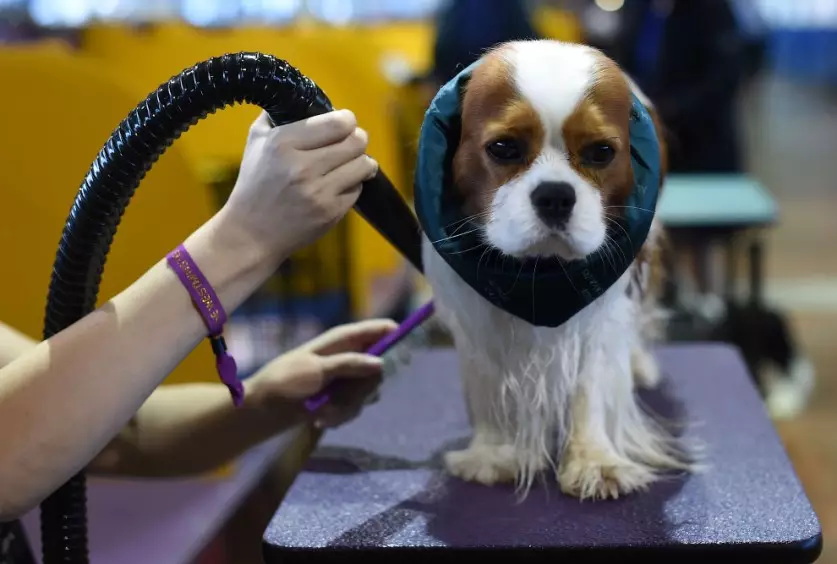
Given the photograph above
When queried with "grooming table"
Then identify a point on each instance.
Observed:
(164, 521)
(698, 201)
(699, 209)
(375, 490)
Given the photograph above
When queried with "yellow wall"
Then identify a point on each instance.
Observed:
(51, 131)
(557, 24)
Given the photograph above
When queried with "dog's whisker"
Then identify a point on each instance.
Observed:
(628, 235)
(482, 256)
(564, 268)
(611, 244)
(468, 219)
(600, 252)
(534, 274)
(461, 223)
(454, 236)
(606, 251)
(629, 208)
(613, 248)
(468, 250)
(516, 278)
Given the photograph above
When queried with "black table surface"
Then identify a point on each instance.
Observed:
(375, 488)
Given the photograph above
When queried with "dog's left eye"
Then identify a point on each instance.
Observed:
(505, 151)
(597, 154)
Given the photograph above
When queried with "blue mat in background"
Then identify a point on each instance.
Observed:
(808, 55)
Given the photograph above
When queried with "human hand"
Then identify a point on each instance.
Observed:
(336, 354)
(297, 181)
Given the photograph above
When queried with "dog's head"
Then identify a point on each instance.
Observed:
(543, 163)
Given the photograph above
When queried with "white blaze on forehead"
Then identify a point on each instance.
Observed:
(554, 77)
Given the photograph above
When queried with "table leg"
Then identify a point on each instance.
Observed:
(671, 286)
(241, 536)
(731, 269)
(702, 265)
(756, 274)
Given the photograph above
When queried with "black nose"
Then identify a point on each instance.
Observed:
(554, 202)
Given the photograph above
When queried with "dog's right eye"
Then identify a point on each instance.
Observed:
(505, 151)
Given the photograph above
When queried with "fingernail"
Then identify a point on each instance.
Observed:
(374, 172)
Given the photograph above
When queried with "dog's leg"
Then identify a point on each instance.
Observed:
(490, 457)
(613, 447)
(591, 467)
(644, 366)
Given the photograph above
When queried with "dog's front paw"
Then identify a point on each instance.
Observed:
(598, 477)
(645, 369)
(486, 464)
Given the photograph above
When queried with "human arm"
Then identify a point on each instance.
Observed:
(13, 344)
(61, 402)
(66, 398)
(194, 428)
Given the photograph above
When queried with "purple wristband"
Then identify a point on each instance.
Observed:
(213, 314)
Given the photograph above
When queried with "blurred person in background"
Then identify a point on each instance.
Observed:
(466, 28)
(690, 58)
(754, 32)
(693, 58)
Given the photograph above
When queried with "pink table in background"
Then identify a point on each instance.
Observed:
(164, 521)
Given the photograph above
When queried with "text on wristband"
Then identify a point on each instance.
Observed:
(205, 299)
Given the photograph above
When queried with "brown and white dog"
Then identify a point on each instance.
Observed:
(543, 164)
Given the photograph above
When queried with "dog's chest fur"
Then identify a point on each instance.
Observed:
(526, 371)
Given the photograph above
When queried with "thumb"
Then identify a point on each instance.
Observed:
(351, 365)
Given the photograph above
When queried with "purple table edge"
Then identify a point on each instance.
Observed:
(375, 488)
(165, 521)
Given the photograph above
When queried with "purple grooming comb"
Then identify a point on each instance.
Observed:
(415, 319)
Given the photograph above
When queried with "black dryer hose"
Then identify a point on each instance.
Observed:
(136, 144)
